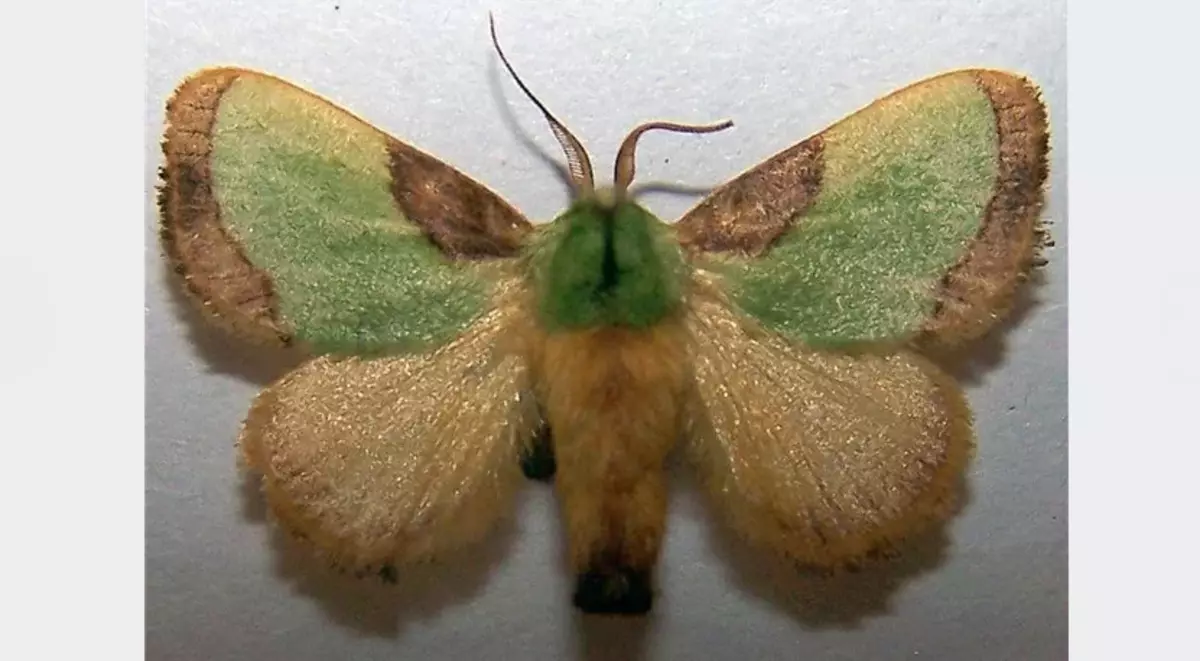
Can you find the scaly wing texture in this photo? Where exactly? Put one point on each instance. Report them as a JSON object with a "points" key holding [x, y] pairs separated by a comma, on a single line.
{"points": [[915, 217], [394, 459], [821, 457], [291, 220]]}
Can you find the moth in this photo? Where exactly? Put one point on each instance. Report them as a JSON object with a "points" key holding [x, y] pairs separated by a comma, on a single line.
{"points": [[779, 333]]}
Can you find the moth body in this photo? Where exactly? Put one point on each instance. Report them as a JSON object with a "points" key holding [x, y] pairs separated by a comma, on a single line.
{"points": [[612, 398], [610, 380]]}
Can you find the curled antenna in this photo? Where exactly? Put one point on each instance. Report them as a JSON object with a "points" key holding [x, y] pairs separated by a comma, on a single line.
{"points": [[577, 157], [624, 169]]}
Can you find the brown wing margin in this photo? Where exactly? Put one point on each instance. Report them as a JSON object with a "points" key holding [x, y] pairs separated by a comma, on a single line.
{"points": [[214, 270], [978, 291]]}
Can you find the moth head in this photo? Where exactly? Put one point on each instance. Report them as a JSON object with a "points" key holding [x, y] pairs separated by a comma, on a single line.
{"points": [[578, 161]]}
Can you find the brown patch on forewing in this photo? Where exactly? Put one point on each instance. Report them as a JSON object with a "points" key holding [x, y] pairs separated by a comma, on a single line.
{"points": [[209, 259], [749, 213], [462, 217], [978, 290]]}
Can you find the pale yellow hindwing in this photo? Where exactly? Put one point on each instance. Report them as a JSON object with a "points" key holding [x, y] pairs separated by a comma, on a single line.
{"points": [[822, 457], [393, 459]]}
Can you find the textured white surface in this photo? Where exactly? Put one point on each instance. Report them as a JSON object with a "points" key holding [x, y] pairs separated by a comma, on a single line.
{"points": [[222, 585]]}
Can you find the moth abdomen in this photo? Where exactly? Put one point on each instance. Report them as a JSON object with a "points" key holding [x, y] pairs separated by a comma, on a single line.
{"points": [[613, 397]]}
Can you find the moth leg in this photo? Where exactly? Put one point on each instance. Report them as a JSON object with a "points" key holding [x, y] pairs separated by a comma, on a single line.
{"points": [[537, 460]]}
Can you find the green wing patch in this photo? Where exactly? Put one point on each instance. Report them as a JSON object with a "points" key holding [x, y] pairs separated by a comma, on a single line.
{"points": [[916, 215], [291, 219]]}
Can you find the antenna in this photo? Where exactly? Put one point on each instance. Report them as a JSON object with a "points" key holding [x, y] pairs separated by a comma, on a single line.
{"points": [[625, 167], [577, 156]]}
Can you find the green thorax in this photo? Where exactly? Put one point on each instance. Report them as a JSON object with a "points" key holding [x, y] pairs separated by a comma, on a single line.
{"points": [[606, 264]]}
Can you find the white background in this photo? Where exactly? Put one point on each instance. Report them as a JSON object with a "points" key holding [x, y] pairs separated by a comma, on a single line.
{"points": [[221, 584]]}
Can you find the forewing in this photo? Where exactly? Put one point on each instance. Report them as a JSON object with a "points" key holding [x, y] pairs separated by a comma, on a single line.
{"points": [[394, 459], [916, 217], [292, 220], [821, 457]]}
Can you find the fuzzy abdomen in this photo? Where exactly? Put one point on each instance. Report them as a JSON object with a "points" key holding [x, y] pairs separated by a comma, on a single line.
{"points": [[612, 397]]}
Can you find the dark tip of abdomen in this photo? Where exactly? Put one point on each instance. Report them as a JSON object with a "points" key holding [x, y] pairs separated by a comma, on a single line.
{"points": [[616, 591]]}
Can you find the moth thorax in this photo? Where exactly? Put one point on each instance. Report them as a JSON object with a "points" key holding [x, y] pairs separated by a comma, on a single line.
{"points": [[607, 264]]}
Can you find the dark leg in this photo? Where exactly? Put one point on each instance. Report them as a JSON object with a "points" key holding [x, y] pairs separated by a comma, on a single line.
{"points": [[538, 461]]}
